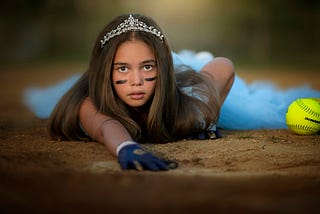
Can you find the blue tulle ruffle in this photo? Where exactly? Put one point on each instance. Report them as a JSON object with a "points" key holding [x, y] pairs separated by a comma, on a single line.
{"points": [[41, 101]]}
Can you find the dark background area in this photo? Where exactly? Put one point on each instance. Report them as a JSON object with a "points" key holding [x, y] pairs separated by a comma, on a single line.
{"points": [[250, 32]]}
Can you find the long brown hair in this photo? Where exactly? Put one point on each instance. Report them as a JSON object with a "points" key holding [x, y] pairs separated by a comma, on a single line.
{"points": [[172, 114]]}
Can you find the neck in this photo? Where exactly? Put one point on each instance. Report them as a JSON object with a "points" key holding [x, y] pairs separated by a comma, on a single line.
{"points": [[140, 114]]}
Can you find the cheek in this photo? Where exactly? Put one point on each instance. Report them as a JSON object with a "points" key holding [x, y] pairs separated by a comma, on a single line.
{"points": [[119, 89], [151, 85]]}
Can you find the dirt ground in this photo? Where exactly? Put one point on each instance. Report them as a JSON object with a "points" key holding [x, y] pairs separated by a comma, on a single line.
{"points": [[265, 171]]}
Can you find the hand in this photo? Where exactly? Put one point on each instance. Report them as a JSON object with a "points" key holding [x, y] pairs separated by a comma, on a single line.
{"points": [[211, 133], [133, 156], [205, 135]]}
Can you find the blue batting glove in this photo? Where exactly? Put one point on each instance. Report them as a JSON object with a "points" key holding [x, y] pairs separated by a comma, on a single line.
{"points": [[206, 135], [211, 133], [133, 156]]}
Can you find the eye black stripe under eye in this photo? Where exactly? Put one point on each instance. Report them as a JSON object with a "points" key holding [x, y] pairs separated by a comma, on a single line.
{"points": [[125, 81], [121, 81], [150, 79]]}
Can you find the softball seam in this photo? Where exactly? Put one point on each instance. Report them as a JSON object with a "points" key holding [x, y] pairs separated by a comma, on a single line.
{"points": [[303, 127], [307, 109]]}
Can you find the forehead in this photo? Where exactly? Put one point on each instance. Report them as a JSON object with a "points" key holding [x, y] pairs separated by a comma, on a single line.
{"points": [[134, 50]]}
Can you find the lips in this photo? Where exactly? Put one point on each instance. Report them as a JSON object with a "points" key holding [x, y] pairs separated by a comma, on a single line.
{"points": [[137, 95]]}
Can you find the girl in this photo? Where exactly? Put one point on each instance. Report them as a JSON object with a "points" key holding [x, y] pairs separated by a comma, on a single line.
{"points": [[131, 93]]}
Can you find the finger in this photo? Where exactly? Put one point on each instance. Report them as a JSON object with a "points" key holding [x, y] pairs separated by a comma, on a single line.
{"points": [[218, 134], [172, 164], [202, 136], [162, 165], [150, 165], [137, 165], [124, 165]]}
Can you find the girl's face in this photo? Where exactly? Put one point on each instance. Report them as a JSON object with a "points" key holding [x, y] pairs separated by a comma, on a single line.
{"points": [[134, 73]]}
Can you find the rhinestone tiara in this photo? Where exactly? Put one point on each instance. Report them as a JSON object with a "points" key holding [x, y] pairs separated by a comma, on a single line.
{"points": [[131, 24]]}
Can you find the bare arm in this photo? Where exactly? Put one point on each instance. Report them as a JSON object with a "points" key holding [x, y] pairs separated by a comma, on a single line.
{"points": [[221, 71], [102, 128]]}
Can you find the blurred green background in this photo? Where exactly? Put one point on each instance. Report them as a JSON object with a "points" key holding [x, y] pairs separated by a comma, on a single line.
{"points": [[250, 32]]}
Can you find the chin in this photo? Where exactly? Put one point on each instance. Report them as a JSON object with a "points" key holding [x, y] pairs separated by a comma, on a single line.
{"points": [[136, 104]]}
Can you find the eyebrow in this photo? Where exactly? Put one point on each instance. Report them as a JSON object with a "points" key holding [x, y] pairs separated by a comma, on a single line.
{"points": [[149, 61], [142, 63]]}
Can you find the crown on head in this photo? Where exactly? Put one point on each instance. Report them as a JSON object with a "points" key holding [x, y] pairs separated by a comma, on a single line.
{"points": [[131, 24]]}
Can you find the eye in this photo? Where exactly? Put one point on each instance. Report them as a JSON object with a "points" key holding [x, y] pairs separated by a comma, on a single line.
{"points": [[122, 69], [148, 67]]}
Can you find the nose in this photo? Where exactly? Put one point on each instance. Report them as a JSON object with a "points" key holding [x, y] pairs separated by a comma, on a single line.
{"points": [[136, 78]]}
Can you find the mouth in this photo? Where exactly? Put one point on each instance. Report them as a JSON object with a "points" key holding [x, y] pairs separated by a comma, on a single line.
{"points": [[136, 95]]}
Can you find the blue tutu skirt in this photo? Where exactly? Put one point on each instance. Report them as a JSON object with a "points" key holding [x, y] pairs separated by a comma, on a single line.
{"points": [[260, 105]]}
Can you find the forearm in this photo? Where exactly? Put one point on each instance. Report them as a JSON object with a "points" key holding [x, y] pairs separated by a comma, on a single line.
{"points": [[102, 128]]}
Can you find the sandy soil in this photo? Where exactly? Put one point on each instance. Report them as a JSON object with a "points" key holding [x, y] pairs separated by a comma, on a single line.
{"points": [[246, 171]]}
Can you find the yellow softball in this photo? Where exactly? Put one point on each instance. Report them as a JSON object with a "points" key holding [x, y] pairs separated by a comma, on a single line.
{"points": [[303, 116]]}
